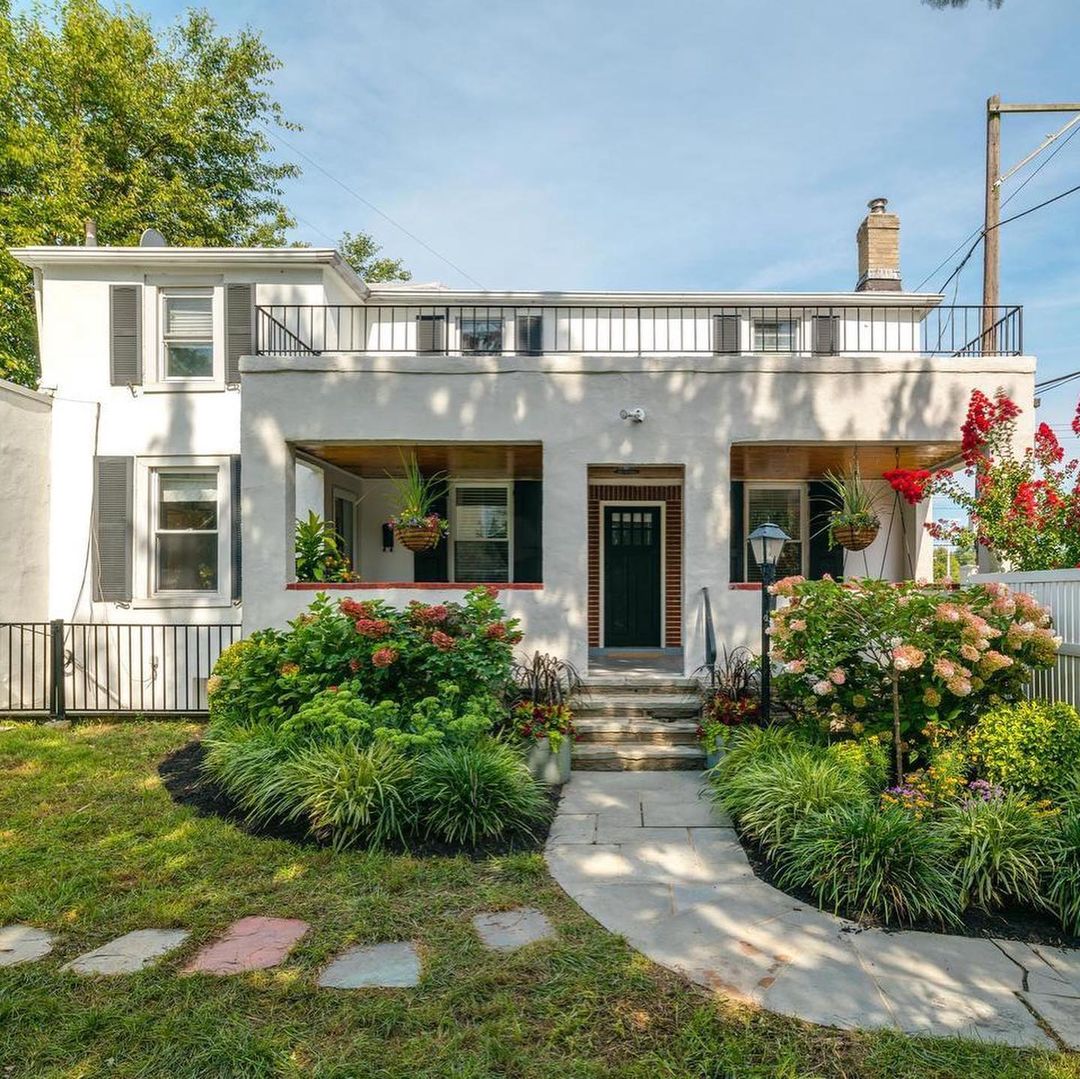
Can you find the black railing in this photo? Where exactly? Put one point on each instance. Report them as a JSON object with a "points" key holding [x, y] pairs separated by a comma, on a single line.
{"points": [[311, 329], [710, 634], [85, 668]]}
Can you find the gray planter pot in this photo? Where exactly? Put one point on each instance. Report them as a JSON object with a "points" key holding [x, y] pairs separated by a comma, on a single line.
{"points": [[715, 756], [552, 768]]}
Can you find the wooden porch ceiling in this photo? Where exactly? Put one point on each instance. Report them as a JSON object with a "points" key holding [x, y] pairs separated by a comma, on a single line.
{"points": [[476, 460], [797, 461]]}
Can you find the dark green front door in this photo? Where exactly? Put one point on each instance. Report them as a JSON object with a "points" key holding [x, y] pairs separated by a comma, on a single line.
{"points": [[631, 576]]}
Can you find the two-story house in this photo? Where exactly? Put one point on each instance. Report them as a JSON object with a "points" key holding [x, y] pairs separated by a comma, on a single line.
{"points": [[607, 453]]}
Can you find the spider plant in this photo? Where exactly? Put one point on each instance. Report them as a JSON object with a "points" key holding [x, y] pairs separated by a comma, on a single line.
{"points": [[416, 495], [854, 503]]}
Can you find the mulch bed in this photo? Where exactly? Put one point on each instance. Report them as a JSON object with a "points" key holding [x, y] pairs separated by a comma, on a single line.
{"points": [[183, 777], [1015, 923]]}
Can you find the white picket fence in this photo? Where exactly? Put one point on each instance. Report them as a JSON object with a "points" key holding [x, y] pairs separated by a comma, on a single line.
{"points": [[1058, 589]]}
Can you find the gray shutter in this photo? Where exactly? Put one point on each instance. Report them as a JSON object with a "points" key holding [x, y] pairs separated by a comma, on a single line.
{"points": [[239, 300], [114, 487], [737, 543], [725, 334], [826, 335], [237, 548], [125, 338], [530, 330], [430, 333]]}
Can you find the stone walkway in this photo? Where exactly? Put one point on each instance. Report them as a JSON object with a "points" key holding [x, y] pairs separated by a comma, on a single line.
{"points": [[651, 860]]}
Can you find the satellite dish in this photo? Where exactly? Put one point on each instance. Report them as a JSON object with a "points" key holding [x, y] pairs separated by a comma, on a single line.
{"points": [[152, 238]]}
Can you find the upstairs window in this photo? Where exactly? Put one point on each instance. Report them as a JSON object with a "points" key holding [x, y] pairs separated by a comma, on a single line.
{"points": [[481, 335], [480, 528], [186, 537], [187, 334], [774, 335]]}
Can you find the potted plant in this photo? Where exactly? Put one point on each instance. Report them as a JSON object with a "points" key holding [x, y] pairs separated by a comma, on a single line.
{"points": [[319, 556], [853, 523], [542, 717], [729, 699], [416, 525]]}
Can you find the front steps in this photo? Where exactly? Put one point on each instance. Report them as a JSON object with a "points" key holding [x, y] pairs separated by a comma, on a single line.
{"points": [[637, 724]]}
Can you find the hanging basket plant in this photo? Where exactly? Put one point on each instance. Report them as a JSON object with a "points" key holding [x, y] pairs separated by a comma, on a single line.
{"points": [[416, 525], [854, 522]]}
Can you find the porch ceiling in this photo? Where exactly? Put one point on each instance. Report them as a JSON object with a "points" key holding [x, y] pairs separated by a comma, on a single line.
{"points": [[478, 460], [790, 461]]}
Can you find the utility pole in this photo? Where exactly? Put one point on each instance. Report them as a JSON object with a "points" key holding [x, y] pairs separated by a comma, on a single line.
{"points": [[994, 179]]}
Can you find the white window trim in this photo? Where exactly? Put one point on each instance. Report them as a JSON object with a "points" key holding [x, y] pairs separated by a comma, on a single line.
{"points": [[154, 347], [804, 520], [451, 569], [798, 334], [649, 504], [146, 469], [354, 500]]}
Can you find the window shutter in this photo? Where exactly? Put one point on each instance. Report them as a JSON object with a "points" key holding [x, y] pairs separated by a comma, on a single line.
{"points": [[738, 528], [125, 338], [238, 328], [434, 565], [725, 334], [528, 531], [237, 520], [431, 333], [114, 485], [822, 560], [826, 335], [530, 330]]}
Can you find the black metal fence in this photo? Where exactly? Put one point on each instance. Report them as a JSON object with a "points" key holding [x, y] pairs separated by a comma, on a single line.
{"points": [[871, 329], [86, 668]]}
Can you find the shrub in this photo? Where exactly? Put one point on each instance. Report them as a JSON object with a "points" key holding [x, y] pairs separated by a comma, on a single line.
{"points": [[751, 743], [862, 860], [770, 795], [1001, 846], [247, 766], [1032, 746], [470, 793], [1063, 882]]}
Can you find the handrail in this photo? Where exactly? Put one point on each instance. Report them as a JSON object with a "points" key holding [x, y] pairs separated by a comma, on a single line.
{"points": [[710, 635]]}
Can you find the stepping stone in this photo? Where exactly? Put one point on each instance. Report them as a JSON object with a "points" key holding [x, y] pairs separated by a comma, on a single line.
{"points": [[253, 943], [508, 930], [23, 944], [129, 953], [373, 966]]}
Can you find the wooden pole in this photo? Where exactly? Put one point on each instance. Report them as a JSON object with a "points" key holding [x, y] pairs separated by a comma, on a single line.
{"points": [[990, 222]]}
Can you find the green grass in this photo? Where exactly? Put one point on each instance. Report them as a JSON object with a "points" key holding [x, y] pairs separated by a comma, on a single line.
{"points": [[91, 847]]}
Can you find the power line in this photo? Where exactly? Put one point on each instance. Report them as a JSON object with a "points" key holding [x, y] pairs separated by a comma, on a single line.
{"points": [[275, 137]]}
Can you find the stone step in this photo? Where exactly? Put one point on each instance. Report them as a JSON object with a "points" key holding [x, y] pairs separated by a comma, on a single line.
{"points": [[637, 705], [600, 685], [627, 729], [636, 757]]}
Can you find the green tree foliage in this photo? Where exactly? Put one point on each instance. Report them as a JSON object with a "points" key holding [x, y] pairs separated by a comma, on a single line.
{"points": [[960, 3], [101, 117], [361, 252]]}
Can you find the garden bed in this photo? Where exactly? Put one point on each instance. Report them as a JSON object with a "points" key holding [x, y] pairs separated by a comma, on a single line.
{"points": [[187, 783]]}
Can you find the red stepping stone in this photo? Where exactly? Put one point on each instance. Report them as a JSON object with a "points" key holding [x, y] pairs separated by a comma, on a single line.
{"points": [[249, 944]]}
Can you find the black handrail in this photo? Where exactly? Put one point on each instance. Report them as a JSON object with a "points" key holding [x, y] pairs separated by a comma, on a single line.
{"points": [[710, 635]]}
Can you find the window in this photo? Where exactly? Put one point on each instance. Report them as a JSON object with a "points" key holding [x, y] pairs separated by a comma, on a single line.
{"points": [[186, 535], [530, 333], [481, 335], [784, 506], [774, 335], [345, 524], [480, 530], [430, 333], [187, 335]]}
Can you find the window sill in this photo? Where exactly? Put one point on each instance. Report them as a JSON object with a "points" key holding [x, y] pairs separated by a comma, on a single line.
{"points": [[166, 602], [183, 387], [419, 586]]}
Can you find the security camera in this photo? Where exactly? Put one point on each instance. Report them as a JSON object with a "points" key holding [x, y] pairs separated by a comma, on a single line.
{"points": [[636, 415]]}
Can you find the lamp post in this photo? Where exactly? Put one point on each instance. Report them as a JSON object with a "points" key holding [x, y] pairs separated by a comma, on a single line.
{"points": [[766, 543]]}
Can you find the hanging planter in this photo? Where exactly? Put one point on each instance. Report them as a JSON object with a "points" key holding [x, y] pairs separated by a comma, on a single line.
{"points": [[416, 526], [854, 523], [420, 537], [854, 537]]}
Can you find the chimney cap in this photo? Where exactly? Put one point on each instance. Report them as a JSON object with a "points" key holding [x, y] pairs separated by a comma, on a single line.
{"points": [[877, 206]]}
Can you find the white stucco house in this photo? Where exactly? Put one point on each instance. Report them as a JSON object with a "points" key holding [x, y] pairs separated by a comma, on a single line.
{"points": [[608, 453]]}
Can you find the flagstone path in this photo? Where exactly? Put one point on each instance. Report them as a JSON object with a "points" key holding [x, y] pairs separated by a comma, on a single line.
{"points": [[651, 860]]}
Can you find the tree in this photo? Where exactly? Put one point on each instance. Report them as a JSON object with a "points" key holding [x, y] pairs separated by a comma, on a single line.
{"points": [[101, 117], [360, 251], [960, 3]]}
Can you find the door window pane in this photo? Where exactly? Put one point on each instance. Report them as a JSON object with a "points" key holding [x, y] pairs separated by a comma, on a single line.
{"points": [[186, 535], [781, 506]]}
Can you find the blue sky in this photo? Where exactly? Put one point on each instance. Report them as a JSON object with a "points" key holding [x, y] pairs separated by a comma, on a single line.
{"points": [[681, 145]]}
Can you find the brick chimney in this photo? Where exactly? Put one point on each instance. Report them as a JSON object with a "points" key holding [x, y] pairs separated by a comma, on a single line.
{"points": [[879, 250]]}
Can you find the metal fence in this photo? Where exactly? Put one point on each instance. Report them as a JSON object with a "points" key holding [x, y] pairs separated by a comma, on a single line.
{"points": [[956, 330], [85, 668], [1060, 591]]}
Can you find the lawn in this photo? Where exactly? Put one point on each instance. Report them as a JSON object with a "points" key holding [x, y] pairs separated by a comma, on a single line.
{"points": [[91, 846]]}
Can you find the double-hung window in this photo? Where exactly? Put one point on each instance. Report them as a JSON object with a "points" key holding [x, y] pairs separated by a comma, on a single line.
{"points": [[186, 534], [775, 335], [481, 335], [783, 505], [187, 335], [480, 531]]}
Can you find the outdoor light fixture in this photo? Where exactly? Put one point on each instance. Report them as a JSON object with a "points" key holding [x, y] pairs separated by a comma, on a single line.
{"points": [[766, 543], [387, 538]]}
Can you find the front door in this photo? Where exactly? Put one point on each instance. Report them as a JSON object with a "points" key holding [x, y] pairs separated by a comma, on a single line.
{"points": [[631, 576]]}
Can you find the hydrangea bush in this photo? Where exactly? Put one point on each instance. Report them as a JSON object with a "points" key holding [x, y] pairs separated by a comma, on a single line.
{"points": [[902, 660]]}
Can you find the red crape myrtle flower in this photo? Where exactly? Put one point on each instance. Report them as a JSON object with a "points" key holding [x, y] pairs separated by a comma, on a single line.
{"points": [[911, 483]]}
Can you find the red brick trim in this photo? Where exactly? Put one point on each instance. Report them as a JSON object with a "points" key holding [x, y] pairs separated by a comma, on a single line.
{"points": [[419, 586], [745, 586], [671, 495]]}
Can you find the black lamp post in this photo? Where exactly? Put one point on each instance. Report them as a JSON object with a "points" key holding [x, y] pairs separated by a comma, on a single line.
{"points": [[766, 543]]}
